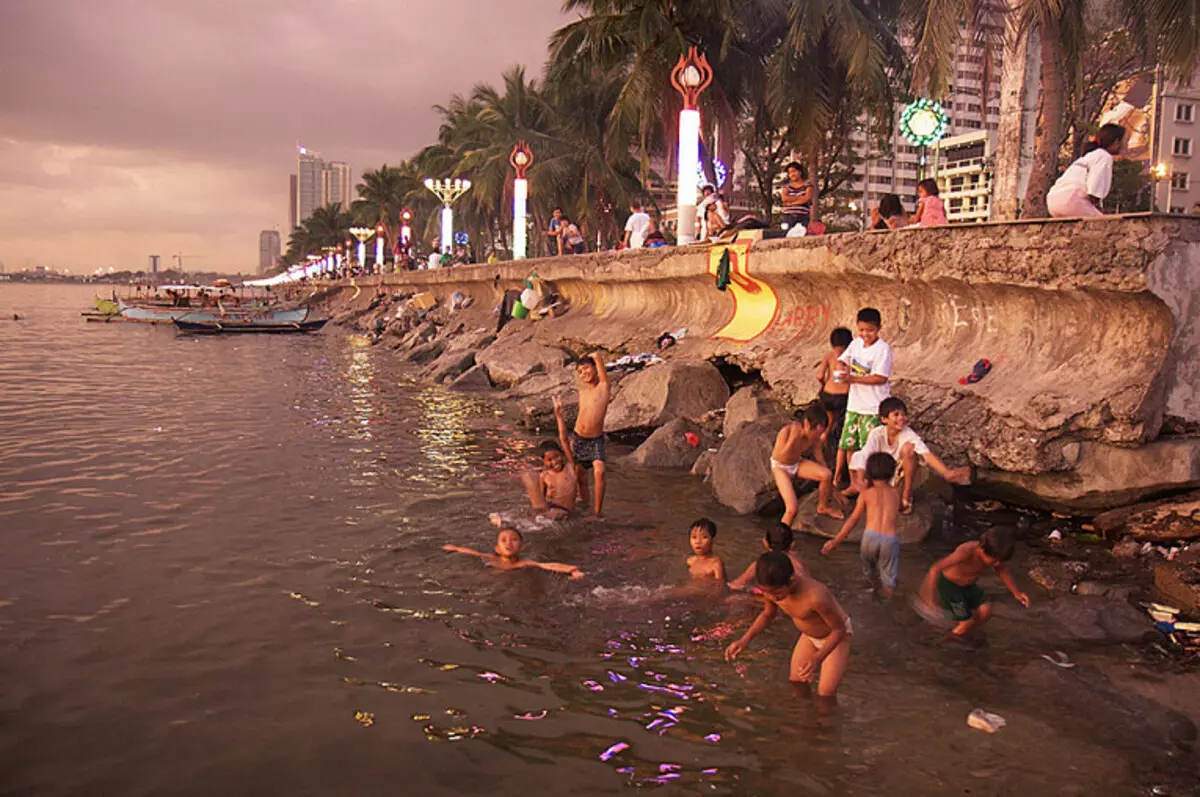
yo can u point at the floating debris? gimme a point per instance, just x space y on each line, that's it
365 718
985 721
612 751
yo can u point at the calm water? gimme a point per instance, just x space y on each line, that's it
216 552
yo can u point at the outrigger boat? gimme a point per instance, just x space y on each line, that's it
216 302
234 325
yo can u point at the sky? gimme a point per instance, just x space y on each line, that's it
138 127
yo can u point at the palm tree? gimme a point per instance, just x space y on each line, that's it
327 226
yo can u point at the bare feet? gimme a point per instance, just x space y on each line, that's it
850 492
836 514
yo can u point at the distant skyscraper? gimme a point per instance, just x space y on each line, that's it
336 182
310 170
268 250
292 199
154 260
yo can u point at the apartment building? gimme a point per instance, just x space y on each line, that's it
1178 137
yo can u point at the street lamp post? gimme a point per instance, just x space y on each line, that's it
521 158
1163 172
380 234
447 190
405 239
689 77
362 234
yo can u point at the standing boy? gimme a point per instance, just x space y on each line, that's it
897 439
825 629
953 580
835 390
802 436
880 548
870 362
587 441
637 226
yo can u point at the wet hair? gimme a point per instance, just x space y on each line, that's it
880 467
800 167
930 185
704 524
779 537
889 205
664 337
587 362
815 415
890 405
773 569
841 337
998 543
551 445
520 536
1109 134
869 315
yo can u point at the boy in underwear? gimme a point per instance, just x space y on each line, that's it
880 548
777 538
704 565
802 436
507 555
587 441
953 580
825 629
832 373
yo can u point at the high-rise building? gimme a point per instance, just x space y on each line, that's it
310 170
268 250
1178 141
336 184
153 265
292 199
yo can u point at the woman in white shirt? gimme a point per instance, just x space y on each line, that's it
1087 181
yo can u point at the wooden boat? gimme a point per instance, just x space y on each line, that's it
229 326
162 314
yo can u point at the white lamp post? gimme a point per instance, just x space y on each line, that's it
521 158
447 190
362 234
406 215
380 233
689 77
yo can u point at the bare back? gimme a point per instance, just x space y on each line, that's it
883 507
792 443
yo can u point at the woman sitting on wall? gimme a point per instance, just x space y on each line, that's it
1087 181
889 215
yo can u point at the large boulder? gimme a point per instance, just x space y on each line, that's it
512 359
1096 619
475 378
741 474
677 389
427 352
1178 585
703 466
1168 520
668 446
911 529
750 404
450 365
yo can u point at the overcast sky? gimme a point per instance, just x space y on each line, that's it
132 127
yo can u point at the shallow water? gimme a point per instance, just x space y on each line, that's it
222 573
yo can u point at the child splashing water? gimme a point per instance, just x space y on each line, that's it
507 555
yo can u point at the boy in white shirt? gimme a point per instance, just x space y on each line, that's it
870 361
898 439
637 227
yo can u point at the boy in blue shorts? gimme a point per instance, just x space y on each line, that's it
870 361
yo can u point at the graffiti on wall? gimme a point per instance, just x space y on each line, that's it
755 303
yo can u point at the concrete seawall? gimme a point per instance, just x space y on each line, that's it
1092 325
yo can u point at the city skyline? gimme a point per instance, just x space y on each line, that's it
129 137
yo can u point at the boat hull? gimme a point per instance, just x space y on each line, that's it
231 327
149 314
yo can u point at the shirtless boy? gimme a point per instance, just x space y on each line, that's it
825 629
777 538
802 436
557 485
704 565
587 441
508 555
880 547
951 581
833 374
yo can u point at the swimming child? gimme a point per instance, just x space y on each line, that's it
802 436
880 548
870 361
835 389
704 564
931 212
905 446
777 538
587 441
507 555
825 628
953 580
552 493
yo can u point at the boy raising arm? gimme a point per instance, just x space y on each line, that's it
587 441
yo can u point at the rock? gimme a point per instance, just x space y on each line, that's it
420 335
427 352
450 365
1178 585
741 474
668 448
475 378
470 339
510 362
1126 549
1078 617
704 464
748 405
1055 573
676 389
1092 588
1125 624
911 529
1168 520
558 381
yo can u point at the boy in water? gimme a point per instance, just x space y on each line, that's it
880 548
704 564
508 555
553 491
870 363
587 441
777 538
953 580
825 629
904 445
802 436
835 390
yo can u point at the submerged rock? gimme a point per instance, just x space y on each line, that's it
676 389
668 446
1097 619
704 464
741 474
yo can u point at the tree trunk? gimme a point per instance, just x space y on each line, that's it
1018 86
1049 139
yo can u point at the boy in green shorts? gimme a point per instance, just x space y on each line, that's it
870 361
951 582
